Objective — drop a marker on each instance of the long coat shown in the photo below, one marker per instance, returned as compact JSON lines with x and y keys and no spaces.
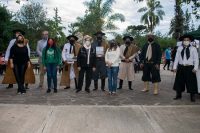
{"x":9,"y":77}
{"x":65,"y":77}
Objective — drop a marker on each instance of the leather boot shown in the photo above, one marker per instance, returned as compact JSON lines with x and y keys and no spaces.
{"x":120,"y":84}
{"x":130,"y":85}
{"x":103,"y":84}
{"x":95,"y":85}
{"x":155,"y":89}
{"x":192,"y":97}
{"x":146,"y":87}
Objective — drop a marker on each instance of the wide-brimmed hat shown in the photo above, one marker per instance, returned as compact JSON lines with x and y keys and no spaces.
{"x":72,"y":36}
{"x":186,"y":36}
{"x":87,"y":37}
{"x":99,"y":32}
{"x":125,"y":37}
{"x":18,"y":30}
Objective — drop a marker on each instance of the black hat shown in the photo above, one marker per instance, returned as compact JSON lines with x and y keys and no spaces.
{"x":125,"y":37}
{"x":75,"y":37}
{"x":186,"y":36}
{"x":99,"y":32}
{"x":18,"y":30}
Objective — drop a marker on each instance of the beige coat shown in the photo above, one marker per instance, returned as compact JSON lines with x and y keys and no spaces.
{"x":126,"y":70}
{"x":9,"y":77}
{"x":65,"y":77}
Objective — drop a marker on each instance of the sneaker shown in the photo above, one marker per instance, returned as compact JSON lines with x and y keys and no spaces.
{"x":78,"y":90}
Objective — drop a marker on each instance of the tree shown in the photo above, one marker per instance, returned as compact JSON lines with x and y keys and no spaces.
{"x":33,"y":15}
{"x":153,"y":13}
{"x":98,"y":17}
{"x":187,"y":21}
{"x":55,"y":29}
{"x":136,"y":30}
{"x":177,"y":23}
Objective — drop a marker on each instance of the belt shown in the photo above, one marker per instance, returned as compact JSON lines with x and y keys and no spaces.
{"x":125,"y":61}
{"x":149,"y":62}
{"x":185,"y":65}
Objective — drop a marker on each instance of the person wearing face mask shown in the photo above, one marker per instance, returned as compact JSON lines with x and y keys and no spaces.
{"x":100,"y":46}
{"x":112,"y":58}
{"x":8,"y":77}
{"x":41,"y":44}
{"x":186,"y":65}
{"x":86,"y":62}
{"x":51,"y":59}
{"x":69,"y":56}
{"x":19,"y":62}
{"x":128,"y":51}
{"x":150,"y":59}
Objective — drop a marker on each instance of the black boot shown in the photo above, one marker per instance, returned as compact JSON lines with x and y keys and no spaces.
{"x":95,"y":85}
{"x":103,"y":84}
{"x":192,"y":97}
{"x":130,"y":85}
{"x":55,"y":90}
{"x":178,"y":96}
{"x":120,"y":84}
{"x":26,"y":86}
{"x":48,"y":90}
{"x":9,"y":86}
{"x":76,"y":85}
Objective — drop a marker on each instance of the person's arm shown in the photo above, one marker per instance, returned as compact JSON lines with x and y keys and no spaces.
{"x":106,"y":56}
{"x":78,"y":58}
{"x":59,"y":57}
{"x":196,"y":59}
{"x":39,"y":52}
{"x":63,"y":53}
{"x":43,"y":57}
{"x":142,"y":55}
{"x":176,"y":59}
{"x":159,"y":55}
{"x":121,"y":53}
{"x":29,"y":50}
{"x":7,"y":55}
{"x":117,"y":56}
{"x":11,"y":56}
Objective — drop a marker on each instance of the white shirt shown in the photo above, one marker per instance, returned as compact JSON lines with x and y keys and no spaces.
{"x":113,"y":56}
{"x":10,"y":46}
{"x":193,"y":59}
{"x":41,"y":44}
{"x":67,"y":55}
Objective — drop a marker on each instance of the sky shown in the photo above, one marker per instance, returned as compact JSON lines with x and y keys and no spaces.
{"x":69,"y":10}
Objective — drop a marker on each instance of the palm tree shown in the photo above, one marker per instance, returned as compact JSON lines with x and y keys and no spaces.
{"x":98,"y":17}
{"x":153,"y":14}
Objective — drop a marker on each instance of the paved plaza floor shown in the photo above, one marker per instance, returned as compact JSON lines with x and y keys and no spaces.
{"x":128,"y":112}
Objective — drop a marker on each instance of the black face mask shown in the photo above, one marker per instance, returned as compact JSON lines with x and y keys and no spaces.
{"x":20,"y":41}
{"x":99,"y":38}
{"x":112,"y":45}
{"x":72,"y":41}
{"x":128,"y":42}
{"x":150,"y":40}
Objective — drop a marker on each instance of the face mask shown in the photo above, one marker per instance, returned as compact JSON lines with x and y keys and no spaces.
{"x":150,"y":39}
{"x":186,"y":43}
{"x":20,"y":41}
{"x":112,"y":45}
{"x":72,"y":41}
{"x":87,"y":43}
{"x":50,"y":43}
{"x":99,"y":38}
{"x":128,"y":42}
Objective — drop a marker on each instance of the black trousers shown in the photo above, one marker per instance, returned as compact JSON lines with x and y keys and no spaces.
{"x":151,"y":73}
{"x":19,"y":71}
{"x":167,"y":63}
{"x":185,"y":78}
{"x":87,"y":72}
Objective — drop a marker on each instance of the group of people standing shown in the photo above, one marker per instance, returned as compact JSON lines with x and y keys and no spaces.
{"x":96,"y":59}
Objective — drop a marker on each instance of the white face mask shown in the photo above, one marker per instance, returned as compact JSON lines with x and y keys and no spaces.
{"x":186,"y":43}
{"x":87,"y":43}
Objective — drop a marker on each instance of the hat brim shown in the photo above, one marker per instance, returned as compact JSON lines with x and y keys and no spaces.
{"x":186,"y":36}
{"x":101,"y":33}
{"x":131,"y":38}
{"x":72,"y":36}
{"x":18,"y":30}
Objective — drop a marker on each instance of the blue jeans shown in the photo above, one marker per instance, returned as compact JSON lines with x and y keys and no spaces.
{"x":112,"y":73}
{"x":52,"y":75}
